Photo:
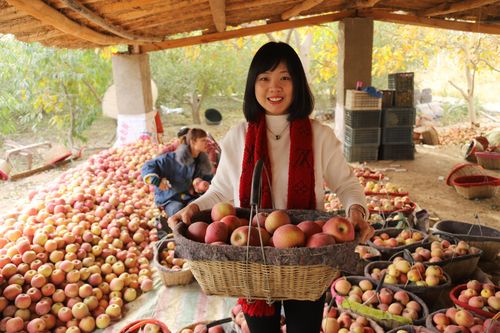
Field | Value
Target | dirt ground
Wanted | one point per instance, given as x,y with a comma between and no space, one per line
424,177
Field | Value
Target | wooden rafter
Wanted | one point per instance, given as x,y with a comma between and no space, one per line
447,8
296,10
382,15
48,15
96,19
365,3
218,10
261,29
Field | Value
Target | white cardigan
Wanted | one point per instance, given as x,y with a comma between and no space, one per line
330,166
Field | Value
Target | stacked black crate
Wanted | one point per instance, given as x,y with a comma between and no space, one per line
398,119
362,126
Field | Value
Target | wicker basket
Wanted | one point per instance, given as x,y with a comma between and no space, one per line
427,293
383,318
360,100
458,268
485,238
168,276
266,273
476,187
464,169
455,292
393,232
488,160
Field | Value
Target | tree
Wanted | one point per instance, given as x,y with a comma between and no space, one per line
188,75
58,86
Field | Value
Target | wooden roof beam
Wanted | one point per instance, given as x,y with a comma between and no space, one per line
447,8
250,31
50,16
96,19
381,15
218,10
365,3
296,10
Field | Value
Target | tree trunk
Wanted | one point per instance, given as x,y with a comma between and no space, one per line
71,110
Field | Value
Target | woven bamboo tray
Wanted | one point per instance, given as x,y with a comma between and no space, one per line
427,293
170,277
476,187
488,160
282,274
485,238
388,252
383,318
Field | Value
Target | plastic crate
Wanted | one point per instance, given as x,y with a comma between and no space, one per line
403,99
397,135
354,136
397,152
360,153
360,100
401,81
388,98
394,117
362,119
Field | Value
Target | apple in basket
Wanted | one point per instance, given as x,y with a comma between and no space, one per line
216,232
239,237
196,231
276,219
309,228
259,219
319,240
340,228
221,209
288,235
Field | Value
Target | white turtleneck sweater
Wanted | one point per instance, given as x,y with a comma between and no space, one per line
330,166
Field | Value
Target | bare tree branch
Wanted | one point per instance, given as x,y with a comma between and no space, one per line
489,65
459,89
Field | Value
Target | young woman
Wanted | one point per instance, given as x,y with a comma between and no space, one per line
300,154
173,173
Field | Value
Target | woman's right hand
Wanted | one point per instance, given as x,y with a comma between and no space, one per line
184,215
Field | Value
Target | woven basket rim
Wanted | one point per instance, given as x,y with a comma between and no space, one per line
460,168
466,237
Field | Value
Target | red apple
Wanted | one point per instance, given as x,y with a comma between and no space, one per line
276,219
221,209
340,228
319,240
196,231
309,228
216,232
240,236
259,219
232,222
288,235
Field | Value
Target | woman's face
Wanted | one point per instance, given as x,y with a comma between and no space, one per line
200,144
274,90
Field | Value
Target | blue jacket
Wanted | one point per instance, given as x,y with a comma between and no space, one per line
180,168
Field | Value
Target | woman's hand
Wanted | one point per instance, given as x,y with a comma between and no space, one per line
184,215
357,218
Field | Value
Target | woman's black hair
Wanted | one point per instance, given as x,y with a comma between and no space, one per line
267,58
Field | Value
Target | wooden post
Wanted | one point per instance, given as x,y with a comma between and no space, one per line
354,62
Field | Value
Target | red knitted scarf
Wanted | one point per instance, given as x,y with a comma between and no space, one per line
300,180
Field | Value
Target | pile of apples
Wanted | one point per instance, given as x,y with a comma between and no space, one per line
397,303
405,237
336,321
167,258
400,271
367,173
483,296
377,203
275,229
80,249
453,320
367,252
332,203
390,188
443,250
